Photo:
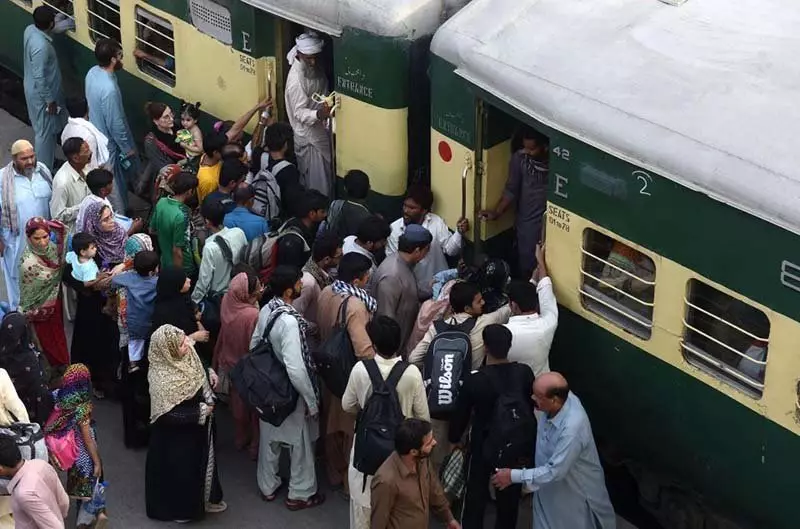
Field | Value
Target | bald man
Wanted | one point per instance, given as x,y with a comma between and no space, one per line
568,481
25,191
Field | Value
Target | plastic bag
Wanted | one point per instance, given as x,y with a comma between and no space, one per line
97,504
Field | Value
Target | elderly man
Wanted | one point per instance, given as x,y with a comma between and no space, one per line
568,480
312,141
69,182
25,189
42,81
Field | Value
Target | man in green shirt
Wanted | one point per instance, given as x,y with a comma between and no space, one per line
170,225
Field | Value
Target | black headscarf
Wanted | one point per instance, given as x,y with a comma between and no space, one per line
172,306
22,361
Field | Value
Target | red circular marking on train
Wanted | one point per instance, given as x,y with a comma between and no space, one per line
445,152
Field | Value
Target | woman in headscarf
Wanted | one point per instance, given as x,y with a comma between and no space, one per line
40,271
239,315
181,482
175,307
493,278
22,361
73,413
109,236
133,391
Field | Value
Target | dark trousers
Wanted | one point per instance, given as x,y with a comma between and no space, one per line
506,500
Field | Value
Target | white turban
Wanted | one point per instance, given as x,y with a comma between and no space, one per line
308,43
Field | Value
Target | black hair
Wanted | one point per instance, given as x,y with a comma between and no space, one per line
72,146
77,107
462,295
98,178
277,135
497,340
529,133
145,262
214,142
422,195
283,278
232,151
81,241
405,245
310,201
44,17
373,229
353,266
524,294
410,435
213,211
231,171
325,246
357,184
183,182
384,333
190,109
10,455
244,268
105,50
243,193
562,392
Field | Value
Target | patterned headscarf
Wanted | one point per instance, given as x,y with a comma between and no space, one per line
73,401
40,269
110,244
138,242
173,378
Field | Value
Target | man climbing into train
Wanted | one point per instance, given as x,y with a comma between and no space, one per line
312,141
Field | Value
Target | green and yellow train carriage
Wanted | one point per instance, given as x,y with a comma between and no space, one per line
673,226
228,54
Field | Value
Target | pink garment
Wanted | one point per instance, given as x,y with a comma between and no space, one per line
238,317
38,500
430,311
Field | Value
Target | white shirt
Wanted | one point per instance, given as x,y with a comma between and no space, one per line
69,190
98,143
301,110
532,334
351,246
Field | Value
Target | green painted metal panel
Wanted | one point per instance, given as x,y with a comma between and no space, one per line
176,8
253,30
452,103
735,460
12,16
372,68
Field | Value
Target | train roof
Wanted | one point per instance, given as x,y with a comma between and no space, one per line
704,93
391,18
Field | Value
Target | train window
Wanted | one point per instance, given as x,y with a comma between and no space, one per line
212,19
725,337
65,13
618,283
104,20
155,47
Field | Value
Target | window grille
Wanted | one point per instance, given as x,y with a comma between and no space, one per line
155,46
725,337
212,19
65,12
104,20
618,283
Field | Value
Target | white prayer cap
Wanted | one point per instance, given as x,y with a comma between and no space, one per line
308,43
20,146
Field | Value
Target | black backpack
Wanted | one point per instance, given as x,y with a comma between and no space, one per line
212,303
262,381
511,434
336,358
447,363
379,419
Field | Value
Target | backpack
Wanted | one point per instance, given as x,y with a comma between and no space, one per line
262,381
511,434
447,363
261,254
211,305
378,421
267,200
336,358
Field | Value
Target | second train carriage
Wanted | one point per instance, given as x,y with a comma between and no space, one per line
673,227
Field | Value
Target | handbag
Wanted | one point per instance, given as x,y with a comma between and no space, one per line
63,450
212,304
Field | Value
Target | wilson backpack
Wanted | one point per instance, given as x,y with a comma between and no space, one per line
447,362
267,200
378,421
336,358
511,434
262,381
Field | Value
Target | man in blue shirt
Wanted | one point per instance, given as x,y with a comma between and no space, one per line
568,481
241,217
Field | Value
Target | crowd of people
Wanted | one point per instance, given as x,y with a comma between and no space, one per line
422,380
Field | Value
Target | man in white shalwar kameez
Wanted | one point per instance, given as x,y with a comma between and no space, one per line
25,190
79,126
300,430
312,139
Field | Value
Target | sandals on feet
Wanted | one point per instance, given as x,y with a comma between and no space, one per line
271,497
298,505
216,507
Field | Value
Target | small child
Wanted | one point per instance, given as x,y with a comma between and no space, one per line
190,136
84,267
140,292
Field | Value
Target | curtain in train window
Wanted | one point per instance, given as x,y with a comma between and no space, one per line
155,47
104,20
725,337
65,14
618,283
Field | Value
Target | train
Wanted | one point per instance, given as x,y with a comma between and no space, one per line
672,226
